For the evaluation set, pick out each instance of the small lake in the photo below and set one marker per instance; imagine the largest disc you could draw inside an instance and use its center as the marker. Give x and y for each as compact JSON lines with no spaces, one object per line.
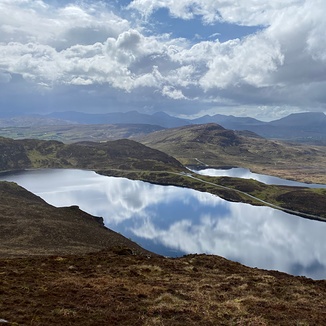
{"x":174,"y":221}
{"x":247,"y":174}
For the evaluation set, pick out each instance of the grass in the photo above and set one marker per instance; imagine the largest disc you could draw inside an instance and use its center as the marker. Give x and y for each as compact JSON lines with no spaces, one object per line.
{"x":106,"y":288}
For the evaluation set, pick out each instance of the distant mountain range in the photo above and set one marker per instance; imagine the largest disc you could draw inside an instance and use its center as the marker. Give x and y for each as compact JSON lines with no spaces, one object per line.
{"x":304,"y":127}
{"x":307,"y":126}
{"x":159,"y":119}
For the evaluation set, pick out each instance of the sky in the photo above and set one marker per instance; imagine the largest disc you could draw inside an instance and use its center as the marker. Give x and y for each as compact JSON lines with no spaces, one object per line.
{"x":264,"y":59}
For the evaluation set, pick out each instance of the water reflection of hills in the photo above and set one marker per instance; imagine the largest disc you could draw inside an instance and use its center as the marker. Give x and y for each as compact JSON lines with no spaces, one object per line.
{"x":174,"y":221}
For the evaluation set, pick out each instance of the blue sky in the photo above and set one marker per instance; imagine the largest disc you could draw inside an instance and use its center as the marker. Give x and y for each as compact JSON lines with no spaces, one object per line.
{"x":263,"y":59}
{"x":195,"y":30}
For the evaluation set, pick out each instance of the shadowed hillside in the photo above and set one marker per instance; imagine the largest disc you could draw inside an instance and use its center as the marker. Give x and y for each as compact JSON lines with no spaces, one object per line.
{"x":121,"y":154}
{"x":30,"y":226}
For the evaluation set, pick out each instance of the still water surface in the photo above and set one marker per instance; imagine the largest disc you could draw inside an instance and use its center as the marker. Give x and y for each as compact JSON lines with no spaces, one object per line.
{"x":173,"y":221}
{"x":247,"y":174}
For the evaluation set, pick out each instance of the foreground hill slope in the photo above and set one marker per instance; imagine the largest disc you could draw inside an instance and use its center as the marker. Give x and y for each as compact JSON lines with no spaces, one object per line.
{"x":212,"y":145}
{"x":30,"y":226}
{"x":105,"y":288}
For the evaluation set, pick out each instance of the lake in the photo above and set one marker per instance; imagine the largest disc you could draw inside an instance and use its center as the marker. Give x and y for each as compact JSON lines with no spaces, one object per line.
{"x":174,"y":221}
{"x":247,"y":174}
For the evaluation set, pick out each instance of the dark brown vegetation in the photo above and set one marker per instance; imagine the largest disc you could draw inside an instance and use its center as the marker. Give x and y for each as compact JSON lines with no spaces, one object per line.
{"x":30,"y":226}
{"x":121,"y":154}
{"x":107,"y":288}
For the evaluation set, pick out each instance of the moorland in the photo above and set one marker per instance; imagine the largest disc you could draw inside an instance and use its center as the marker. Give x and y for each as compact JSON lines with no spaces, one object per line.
{"x":61,"y":266}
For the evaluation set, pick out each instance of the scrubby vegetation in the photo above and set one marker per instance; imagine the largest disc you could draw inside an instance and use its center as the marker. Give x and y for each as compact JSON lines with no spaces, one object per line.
{"x":112,"y":288}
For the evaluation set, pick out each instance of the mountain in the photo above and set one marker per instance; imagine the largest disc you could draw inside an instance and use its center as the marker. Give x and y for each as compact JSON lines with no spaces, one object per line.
{"x":30,"y":121}
{"x":228,"y":121}
{"x":305,"y":127}
{"x":71,"y":133}
{"x":160,"y":118}
{"x":306,"y":120}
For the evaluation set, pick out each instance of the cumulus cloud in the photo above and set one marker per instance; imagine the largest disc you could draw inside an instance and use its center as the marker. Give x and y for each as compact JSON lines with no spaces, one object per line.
{"x":173,"y":93}
{"x":246,"y":12}
{"x":90,"y":44}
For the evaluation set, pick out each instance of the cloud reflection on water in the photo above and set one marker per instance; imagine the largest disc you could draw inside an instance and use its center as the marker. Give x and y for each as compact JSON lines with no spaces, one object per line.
{"x":247,"y":174}
{"x":188,"y":221}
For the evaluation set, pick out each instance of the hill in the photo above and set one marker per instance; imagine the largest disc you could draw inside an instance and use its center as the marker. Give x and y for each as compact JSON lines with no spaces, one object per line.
{"x":120,"y":154}
{"x":215,"y":146}
{"x":127,"y":158}
{"x":159,"y":119}
{"x":71,"y":270}
{"x":105,"y":288}
{"x":30,"y":226}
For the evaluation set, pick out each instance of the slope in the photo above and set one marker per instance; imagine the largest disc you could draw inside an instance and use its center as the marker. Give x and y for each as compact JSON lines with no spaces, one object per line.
{"x":212,"y":145}
{"x":30,"y":226}
{"x":121,"y":154}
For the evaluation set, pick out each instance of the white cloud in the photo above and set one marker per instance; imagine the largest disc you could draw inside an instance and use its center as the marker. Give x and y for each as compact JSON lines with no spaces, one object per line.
{"x":86,"y":43}
{"x":246,"y":12}
{"x":173,"y":93}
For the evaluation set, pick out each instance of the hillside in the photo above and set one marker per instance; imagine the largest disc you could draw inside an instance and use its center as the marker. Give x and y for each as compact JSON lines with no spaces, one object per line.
{"x":106,"y":288}
{"x":121,"y":154}
{"x":306,"y":127}
{"x":30,"y":226}
{"x":212,"y":145}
